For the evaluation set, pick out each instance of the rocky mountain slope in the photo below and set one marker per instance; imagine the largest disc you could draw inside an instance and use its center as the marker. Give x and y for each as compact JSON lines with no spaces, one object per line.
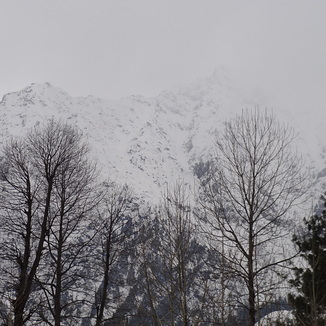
{"x":151,"y":142}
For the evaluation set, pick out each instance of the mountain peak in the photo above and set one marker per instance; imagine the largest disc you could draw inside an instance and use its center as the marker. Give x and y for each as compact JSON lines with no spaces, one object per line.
{"x":36,"y":93}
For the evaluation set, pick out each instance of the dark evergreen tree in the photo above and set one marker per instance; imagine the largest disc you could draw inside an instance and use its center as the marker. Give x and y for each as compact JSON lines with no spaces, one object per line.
{"x":310,"y":281}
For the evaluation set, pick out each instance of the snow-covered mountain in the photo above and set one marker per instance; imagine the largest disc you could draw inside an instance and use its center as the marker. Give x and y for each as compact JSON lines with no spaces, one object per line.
{"x":152,"y":142}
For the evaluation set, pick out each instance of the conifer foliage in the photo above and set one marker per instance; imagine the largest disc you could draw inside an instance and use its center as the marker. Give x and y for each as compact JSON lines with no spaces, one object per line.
{"x":310,"y":281}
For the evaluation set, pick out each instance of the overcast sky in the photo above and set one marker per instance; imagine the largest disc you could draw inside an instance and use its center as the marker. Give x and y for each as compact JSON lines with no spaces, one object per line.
{"x":112,"y":49}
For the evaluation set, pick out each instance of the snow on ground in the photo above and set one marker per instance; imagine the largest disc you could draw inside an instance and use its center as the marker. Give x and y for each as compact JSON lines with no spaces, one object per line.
{"x":274,"y":317}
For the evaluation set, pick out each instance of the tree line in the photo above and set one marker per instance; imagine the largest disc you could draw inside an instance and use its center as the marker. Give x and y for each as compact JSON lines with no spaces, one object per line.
{"x":78,"y":250}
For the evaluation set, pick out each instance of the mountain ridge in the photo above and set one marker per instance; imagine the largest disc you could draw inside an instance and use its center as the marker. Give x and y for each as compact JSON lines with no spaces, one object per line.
{"x":152,"y":142}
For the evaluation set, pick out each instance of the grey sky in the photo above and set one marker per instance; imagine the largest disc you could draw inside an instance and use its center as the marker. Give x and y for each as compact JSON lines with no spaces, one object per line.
{"x":112,"y":49}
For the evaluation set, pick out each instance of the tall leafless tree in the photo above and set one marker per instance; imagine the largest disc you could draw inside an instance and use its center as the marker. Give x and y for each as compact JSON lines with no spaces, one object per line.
{"x":172,"y":261}
{"x":65,"y":263}
{"x":39,"y":174}
{"x":116,"y":212}
{"x":246,"y":195}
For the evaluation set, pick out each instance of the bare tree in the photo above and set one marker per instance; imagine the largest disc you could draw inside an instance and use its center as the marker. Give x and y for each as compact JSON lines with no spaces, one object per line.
{"x":65,"y":264}
{"x":246,"y":195}
{"x":115,"y":223}
{"x":172,"y":261}
{"x":19,"y":253}
{"x":32,"y":171}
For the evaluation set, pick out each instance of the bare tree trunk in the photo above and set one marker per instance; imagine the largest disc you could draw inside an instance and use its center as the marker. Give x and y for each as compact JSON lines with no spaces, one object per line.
{"x":115,"y":206}
{"x":251,"y":288}
{"x":155,"y":317}
{"x":58,"y":281}
{"x":24,"y":292}
{"x":103,"y":295}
